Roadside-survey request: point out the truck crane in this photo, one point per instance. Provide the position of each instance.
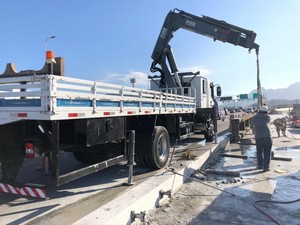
(171, 79)
(43, 112)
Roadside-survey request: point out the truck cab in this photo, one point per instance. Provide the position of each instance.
(204, 91)
(200, 85)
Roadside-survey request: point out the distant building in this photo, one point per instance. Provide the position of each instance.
(240, 101)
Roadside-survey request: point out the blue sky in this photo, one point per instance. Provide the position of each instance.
(112, 40)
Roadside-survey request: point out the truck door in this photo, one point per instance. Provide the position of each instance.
(203, 92)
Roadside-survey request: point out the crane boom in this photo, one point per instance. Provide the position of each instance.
(207, 26)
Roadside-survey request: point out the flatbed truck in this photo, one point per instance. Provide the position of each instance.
(45, 113)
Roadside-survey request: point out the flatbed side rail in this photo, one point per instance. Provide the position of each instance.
(50, 97)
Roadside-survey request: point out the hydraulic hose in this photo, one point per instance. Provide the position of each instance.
(269, 201)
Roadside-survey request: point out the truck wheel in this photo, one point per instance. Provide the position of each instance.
(153, 150)
(160, 148)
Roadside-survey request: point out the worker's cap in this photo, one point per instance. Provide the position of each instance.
(263, 108)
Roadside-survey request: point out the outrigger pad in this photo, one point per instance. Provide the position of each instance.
(58, 69)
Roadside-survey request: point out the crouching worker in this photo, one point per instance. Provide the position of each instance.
(263, 138)
(280, 125)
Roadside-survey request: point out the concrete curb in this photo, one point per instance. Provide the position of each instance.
(146, 196)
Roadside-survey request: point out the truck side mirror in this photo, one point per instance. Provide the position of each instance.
(219, 91)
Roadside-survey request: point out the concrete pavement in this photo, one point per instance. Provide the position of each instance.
(146, 196)
(240, 200)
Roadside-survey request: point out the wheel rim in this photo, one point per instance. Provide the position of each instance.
(162, 147)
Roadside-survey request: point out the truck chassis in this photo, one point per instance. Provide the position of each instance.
(89, 119)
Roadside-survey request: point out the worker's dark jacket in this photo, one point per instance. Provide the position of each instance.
(260, 123)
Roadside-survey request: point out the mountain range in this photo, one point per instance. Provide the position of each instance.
(282, 96)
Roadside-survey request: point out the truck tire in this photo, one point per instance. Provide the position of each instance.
(153, 150)
(141, 160)
(142, 149)
(160, 147)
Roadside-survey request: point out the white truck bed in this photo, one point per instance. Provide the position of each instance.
(50, 97)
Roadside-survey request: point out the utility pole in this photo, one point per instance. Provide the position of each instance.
(132, 81)
(50, 59)
(46, 42)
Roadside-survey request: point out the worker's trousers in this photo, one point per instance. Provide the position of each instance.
(263, 151)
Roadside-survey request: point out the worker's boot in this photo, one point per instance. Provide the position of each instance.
(278, 132)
